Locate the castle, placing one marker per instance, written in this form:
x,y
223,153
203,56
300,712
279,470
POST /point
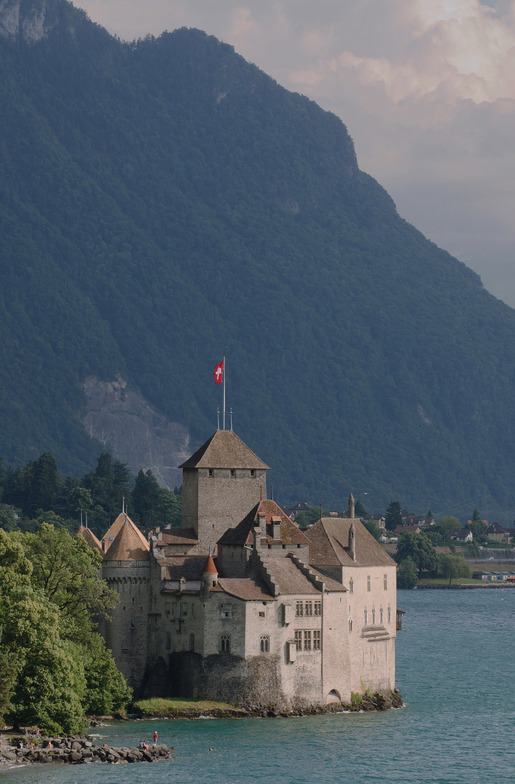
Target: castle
x,y
240,605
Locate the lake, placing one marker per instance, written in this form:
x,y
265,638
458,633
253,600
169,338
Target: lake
x,y
455,670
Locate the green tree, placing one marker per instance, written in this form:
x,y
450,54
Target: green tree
x,y
407,574
359,509
452,566
373,529
146,498
65,570
393,515
419,549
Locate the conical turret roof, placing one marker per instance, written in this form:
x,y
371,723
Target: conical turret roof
x,y
128,545
115,529
90,537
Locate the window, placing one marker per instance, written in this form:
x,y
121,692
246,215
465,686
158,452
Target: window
x,y
373,617
226,611
261,613
253,472
351,585
298,640
225,644
368,582
299,611
309,608
210,472
350,624
318,608
385,582
264,644
316,640
381,615
307,641
365,617
192,642
233,473
389,614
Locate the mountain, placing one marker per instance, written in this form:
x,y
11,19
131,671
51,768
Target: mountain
x,y
164,203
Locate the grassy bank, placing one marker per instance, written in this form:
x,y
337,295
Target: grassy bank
x,y
167,708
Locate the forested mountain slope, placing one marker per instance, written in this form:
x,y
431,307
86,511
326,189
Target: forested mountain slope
x,y
164,203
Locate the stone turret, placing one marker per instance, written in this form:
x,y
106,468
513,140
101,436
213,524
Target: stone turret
x,y
209,574
126,569
352,542
351,511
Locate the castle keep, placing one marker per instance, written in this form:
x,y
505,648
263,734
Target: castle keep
x,y
242,606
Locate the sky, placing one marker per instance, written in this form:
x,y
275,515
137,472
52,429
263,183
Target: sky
x,y
426,89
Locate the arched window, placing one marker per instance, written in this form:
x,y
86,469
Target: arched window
x,y
350,624
264,644
351,585
225,644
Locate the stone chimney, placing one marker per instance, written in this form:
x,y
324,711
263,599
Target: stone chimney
x,y
351,511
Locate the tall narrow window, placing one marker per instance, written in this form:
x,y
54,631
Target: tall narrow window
x,y
365,617
299,609
309,608
368,582
373,617
225,644
318,608
316,640
389,614
350,624
264,644
351,585
381,615
307,641
385,582
298,640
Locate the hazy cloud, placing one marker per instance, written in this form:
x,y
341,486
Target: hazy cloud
x,y
426,88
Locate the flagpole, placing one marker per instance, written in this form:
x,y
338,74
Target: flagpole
x,y
224,396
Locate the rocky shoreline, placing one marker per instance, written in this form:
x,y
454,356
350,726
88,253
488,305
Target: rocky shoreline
x,y
75,750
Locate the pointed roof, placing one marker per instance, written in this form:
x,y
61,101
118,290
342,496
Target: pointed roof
x,y
242,534
209,566
329,544
90,537
113,531
128,545
224,450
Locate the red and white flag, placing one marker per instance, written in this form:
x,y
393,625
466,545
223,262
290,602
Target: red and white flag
x,y
219,372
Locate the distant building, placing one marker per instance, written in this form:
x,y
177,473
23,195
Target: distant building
x,y
241,605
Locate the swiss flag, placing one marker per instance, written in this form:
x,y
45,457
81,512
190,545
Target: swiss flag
x,y
219,372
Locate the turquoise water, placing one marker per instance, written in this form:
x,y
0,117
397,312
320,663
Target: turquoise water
x,y
455,670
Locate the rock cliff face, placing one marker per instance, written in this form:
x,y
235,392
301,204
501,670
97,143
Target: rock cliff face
x,y
31,21
134,432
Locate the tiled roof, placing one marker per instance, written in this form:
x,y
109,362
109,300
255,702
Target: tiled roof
x,y
128,545
190,567
242,533
244,588
224,450
177,536
116,527
288,577
329,540
90,537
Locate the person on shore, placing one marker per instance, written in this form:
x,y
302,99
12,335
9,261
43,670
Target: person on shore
x,y
155,736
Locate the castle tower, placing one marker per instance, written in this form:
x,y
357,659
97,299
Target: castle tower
x,y
126,569
221,483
